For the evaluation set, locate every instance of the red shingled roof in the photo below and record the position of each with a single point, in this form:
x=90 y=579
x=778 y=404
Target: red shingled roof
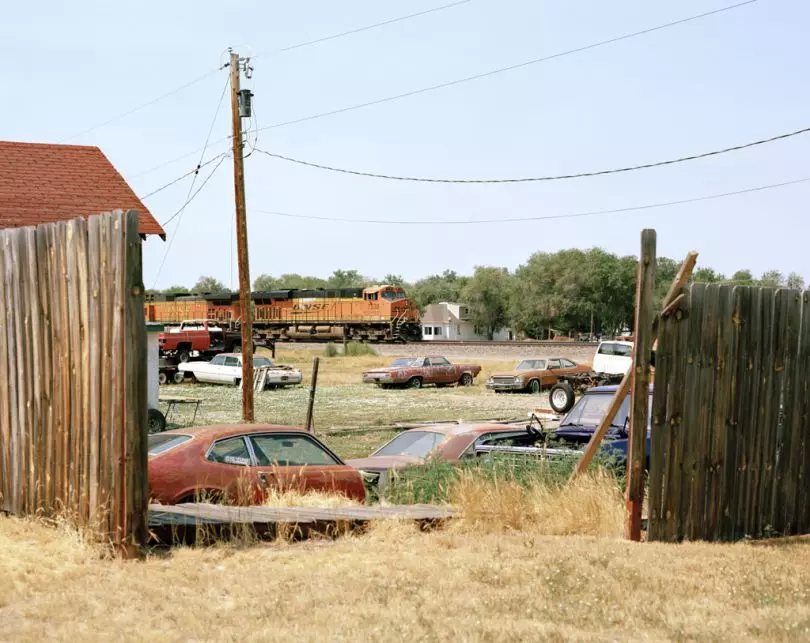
x=41 y=183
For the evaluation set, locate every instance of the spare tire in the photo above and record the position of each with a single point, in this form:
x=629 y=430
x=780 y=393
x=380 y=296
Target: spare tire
x=561 y=397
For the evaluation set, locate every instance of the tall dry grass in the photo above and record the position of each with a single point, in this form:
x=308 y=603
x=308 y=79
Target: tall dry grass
x=591 y=506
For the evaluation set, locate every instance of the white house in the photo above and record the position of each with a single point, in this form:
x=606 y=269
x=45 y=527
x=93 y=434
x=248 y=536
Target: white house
x=445 y=321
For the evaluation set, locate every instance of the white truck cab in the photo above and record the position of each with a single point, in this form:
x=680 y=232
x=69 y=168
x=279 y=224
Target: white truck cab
x=614 y=357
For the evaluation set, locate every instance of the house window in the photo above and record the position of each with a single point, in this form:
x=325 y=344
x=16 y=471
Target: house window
x=437 y=330
x=427 y=330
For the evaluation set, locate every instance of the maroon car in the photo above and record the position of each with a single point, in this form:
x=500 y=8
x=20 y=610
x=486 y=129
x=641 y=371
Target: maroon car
x=415 y=372
x=241 y=463
x=447 y=442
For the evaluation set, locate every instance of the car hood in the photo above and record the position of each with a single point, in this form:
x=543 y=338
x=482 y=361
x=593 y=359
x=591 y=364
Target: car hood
x=383 y=462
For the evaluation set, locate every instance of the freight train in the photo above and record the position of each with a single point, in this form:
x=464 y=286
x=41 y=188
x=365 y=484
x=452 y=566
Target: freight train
x=376 y=314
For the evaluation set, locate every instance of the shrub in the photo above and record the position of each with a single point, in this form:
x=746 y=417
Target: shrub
x=330 y=350
x=358 y=349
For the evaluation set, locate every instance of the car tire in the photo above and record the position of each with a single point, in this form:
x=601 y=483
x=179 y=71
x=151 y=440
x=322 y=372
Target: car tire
x=414 y=382
x=534 y=387
x=162 y=378
x=178 y=377
x=237 y=381
x=183 y=356
x=561 y=397
x=156 y=421
x=466 y=380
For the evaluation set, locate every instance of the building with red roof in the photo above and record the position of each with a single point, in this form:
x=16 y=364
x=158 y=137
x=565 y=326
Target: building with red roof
x=43 y=183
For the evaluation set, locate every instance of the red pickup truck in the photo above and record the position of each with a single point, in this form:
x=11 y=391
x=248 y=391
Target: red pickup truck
x=414 y=372
x=203 y=337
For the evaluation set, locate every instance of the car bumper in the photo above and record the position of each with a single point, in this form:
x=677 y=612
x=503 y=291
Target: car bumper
x=505 y=386
x=378 y=379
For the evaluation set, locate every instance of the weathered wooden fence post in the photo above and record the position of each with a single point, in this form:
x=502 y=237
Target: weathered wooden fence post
x=312 y=387
x=640 y=385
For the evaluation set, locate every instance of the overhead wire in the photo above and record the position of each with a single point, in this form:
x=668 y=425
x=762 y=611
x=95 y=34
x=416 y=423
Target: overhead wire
x=181 y=177
x=143 y=105
x=190 y=197
x=500 y=70
x=457 y=81
x=591 y=213
x=558 y=177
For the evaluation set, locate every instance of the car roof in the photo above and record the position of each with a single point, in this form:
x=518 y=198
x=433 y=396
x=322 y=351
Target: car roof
x=616 y=341
x=462 y=428
x=224 y=430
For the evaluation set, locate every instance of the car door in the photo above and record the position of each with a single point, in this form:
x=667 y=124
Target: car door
x=207 y=371
x=553 y=367
x=231 y=370
x=229 y=468
x=295 y=462
x=567 y=367
x=442 y=370
x=421 y=368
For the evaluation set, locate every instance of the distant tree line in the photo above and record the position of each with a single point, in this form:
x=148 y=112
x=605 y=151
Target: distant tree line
x=572 y=291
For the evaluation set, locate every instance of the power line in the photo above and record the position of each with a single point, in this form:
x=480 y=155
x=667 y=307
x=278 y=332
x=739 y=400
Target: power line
x=558 y=177
x=373 y=26
x=500 y=70
x=142 y=106
x=637 y=208
x=190 y=196
x=180 y=178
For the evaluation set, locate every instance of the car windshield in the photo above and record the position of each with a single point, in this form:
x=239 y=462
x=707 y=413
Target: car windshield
x=261 y=361
x=532 y=365
x=162 y=442
x=591 y=408
x=404 y=361
x=418 y=444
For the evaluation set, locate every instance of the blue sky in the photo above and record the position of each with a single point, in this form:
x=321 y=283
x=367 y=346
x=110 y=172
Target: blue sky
x=726 y=79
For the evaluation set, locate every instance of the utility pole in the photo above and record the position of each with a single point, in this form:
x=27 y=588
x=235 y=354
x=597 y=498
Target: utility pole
x=242 y=241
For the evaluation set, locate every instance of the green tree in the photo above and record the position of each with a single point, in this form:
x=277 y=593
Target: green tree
x=743 y=278
x=208 y=285
x=772 y=279
x=347 y=279
x=437 y=288
x=707 y=276
x=486 y=294
x=795 y=281
x=263 y=283
x=175 y=290
x=394 y=280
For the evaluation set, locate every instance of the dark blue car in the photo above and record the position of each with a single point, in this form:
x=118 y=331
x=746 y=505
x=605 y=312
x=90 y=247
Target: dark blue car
x=579 y=424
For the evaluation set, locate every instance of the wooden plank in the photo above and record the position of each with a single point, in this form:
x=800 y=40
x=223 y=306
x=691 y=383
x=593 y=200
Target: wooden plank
x=135 y=378
x=718 y=420
x=36 y=442
x=707 y=359
x=770 y=427
x=5 y=385
x=46 y=501
x=674 y=426
x=640 y=386
x=62 y=364
x=803 y=491
x=106 y=413
x=94 y=381
x=762 y=380
x=661 y=433
x=74 y=391
x=789 y=436
x=83 y=370
x=728 y=469
x=18 y=372
x=25 y=390
x=690 y=414
x=117 y=383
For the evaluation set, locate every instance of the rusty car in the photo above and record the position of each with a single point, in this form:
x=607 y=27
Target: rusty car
x=415 y=372
x=242 y=464
x=449 y=442
x=533 y=375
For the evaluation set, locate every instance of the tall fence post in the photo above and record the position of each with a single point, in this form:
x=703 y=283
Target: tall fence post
x=312 y=387
x=640 y=385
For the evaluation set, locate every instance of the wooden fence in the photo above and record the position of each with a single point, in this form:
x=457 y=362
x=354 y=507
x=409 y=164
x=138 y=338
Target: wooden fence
x=730 y=454
x=72 y=375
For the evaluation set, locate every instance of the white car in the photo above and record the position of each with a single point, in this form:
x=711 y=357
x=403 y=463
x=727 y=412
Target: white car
x=614 y=357
x=226 y=368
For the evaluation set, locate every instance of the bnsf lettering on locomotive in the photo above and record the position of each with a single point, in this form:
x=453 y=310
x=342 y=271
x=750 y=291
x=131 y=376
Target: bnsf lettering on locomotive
x=308 y=307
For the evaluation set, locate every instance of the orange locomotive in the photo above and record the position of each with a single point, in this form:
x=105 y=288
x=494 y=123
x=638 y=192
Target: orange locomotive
x=380 y=313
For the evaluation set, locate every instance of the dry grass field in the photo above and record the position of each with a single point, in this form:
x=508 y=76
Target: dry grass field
x=535 y=565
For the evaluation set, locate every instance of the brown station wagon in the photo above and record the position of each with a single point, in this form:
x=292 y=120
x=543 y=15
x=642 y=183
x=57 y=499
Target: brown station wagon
x=533 y=375
x=415 y=372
